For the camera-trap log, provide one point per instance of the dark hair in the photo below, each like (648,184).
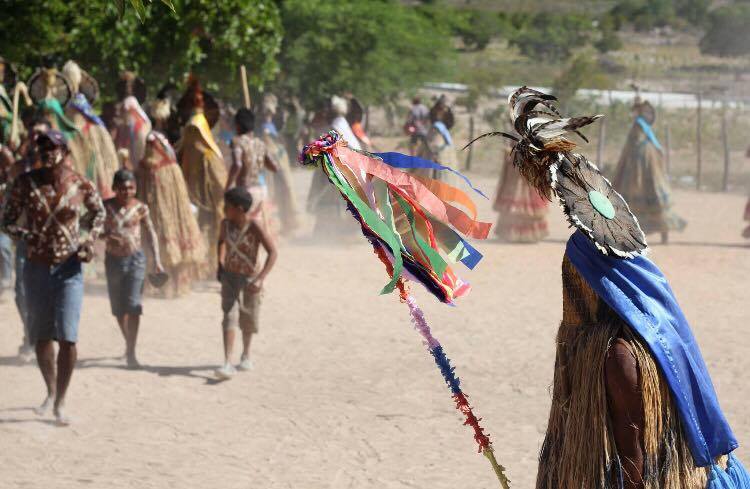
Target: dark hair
(239,197)
(121,176)
(245,120)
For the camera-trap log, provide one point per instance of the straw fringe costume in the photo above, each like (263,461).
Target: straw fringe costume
(206,176)
(280,182)
(93,153)
(633,405)
(642,178)
(523,212)
(162,188)
(579,449)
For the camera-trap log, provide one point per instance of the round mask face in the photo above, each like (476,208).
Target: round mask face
(593,206)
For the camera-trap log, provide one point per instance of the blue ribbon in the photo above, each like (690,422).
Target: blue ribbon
(402,161)
(648,131)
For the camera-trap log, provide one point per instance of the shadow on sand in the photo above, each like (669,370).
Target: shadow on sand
(203,372)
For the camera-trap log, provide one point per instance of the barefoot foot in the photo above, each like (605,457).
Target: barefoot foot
(61,418)
(44,407)
(133,363)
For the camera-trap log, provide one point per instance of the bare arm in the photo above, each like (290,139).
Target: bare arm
(221,249)
(153,238)
(12,211)
(236,165)
(96,216)
(271,255)
(625,402)
(270,163)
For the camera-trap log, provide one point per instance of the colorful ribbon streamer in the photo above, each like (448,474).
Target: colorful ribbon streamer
(409,221)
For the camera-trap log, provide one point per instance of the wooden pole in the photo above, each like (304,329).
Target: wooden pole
(600,143)
(471,137)
(725,142)
(668,148)
(245,89)
(698,131)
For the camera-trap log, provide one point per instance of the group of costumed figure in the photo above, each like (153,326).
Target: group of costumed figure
(182,172)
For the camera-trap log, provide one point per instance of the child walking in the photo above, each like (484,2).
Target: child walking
(241,283)
(125,262)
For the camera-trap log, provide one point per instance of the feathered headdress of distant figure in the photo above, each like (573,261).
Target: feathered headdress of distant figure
(196,98)
(131,84)
(543,154)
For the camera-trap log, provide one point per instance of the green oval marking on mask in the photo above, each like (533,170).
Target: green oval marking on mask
(602,204)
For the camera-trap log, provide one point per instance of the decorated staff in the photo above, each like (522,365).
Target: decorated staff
(412,223)
(633,405)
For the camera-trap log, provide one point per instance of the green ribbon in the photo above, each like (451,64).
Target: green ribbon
(372,220)
(437,263)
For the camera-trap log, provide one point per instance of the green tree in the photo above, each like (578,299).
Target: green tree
(139,6)
(549,37)
(378,48)
(727,33)
(210,38)
(583,71)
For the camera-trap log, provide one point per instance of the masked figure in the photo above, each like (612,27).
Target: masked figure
(93,152)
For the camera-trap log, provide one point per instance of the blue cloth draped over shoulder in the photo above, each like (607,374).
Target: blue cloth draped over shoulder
(649,132)
(82,105)
(639,293)
(443,130)
(270,128)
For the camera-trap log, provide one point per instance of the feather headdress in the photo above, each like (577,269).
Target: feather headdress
(543,154)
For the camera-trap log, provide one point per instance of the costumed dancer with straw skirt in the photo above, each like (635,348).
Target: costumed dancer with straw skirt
(132,125)
(633,405)
(162,188)
(93,153)
(438,146)
(280,182)
(203,166)
(641,176)
(523,211)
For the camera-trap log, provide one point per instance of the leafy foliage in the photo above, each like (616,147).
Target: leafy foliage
(377,48)
(139,6)
(208,37)
(727,33)
(582,71)
(552,36)
(645,15)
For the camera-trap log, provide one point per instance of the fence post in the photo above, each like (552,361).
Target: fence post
(600,143)
(471,138)
(668,148)
(698,131)
(725,142)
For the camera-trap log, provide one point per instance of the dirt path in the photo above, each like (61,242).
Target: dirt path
(343,394)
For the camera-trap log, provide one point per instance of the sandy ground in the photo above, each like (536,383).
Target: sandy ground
(344,394)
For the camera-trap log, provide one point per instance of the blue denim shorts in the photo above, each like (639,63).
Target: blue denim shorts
(125,275)
(54,300)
